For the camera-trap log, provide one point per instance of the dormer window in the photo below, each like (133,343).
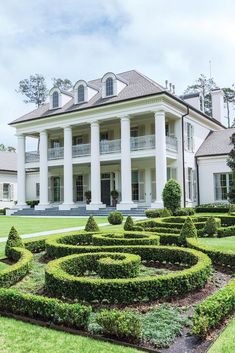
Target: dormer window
(80,94)
(109,86)
(55,100)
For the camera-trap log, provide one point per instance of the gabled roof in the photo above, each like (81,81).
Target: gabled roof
(8,161)
(216,143)
(138,86)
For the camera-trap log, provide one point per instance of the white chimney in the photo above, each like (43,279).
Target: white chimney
(217,98)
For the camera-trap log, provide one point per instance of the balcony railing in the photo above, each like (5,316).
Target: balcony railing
(171,143)
(55,153)
(32,156)
(82,150)
(110,146)
(106,147)
(142,142)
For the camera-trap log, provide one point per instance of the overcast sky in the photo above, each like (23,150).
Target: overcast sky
(76,39)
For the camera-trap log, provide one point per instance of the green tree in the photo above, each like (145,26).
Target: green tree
(64,84)
(5,148)
(129,224)
(91,225)
(229,98)
(171,195)
(34,89)
(188,231)
(14,240)
(231,164)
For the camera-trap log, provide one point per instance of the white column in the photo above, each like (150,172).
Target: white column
(21,186)
(160,157)
(68,170)
(95,168)
(43,149)
(126,196)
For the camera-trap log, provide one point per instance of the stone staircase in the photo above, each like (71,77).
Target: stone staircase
(79,211)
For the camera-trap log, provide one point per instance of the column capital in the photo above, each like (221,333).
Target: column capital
(20,136)
(95,123)
(43,132)
(67,127)
(124,117)
(159,113)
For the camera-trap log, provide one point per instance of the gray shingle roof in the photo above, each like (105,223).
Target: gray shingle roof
(8,161)
(138,85)
(217,143)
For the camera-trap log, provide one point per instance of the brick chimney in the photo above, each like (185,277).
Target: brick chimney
(217,98)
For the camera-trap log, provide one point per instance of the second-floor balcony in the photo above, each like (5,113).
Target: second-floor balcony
(145,142)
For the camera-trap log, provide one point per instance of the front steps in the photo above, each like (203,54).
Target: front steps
(79,211)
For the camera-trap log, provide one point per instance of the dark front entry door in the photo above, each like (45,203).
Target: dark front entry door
(105,191)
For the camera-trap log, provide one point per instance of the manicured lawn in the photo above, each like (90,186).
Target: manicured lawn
(225,343)
(224,244)
(27,225)
(20,337)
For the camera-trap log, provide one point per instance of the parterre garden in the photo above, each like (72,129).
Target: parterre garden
(149,284)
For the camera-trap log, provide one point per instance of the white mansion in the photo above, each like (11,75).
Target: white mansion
(123,132)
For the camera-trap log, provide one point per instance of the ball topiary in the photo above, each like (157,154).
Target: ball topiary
(129,224)
(210,228)
(188,231)
(115,217)
(171,195)
(91,225)
(14,240)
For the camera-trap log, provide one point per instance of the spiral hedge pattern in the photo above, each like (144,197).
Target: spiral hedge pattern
(67,276)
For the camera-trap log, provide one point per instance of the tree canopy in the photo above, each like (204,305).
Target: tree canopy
(34,89)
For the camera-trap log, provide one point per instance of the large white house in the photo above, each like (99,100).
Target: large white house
(122,132)
(8,179)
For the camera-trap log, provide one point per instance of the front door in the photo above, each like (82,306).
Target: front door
(105,189)
(56,189)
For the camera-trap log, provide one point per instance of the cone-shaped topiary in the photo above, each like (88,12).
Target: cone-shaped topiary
(14,240)
(166,213)
(210,228)
(91,225)
(129,224)
(188,231)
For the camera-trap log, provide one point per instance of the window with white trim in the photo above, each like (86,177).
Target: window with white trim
(189,137)
(190,183)
(6,192)
(37,189)
(55,100)
(222,184)
(109,86)
(81,93)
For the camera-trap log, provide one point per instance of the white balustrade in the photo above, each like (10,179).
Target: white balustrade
(82,150)
(110,146)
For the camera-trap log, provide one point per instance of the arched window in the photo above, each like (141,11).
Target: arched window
(55,99)
(81,93)
(109,86)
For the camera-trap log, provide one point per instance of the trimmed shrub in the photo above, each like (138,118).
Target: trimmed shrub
(187,211)
(210,228)
(117,265)
(91,225)
(115,217)
(226,232)
(120,323)
(32,203)
(63,276)
(213,207)
(14,273)
(166,213)
(188,231)
(172,195)
(125,238)
(129,224)
(14,240)
(153,213)
(231,209)
(47,309)
(213,310)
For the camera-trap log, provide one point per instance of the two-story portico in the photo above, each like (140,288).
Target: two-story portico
(123,132)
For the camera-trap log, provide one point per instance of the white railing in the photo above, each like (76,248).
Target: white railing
(32,156)
(82,150)
(110,146)
(55,153)
(142,142)
(171,143)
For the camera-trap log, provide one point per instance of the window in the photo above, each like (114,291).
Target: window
(190,183)
(109,86)
(79,187)
(104,135)
(6,191)
(134,131)
(153,184)
(222,183)
(78,140)
(55,143)
(171,173)
(189,134)
(81,93)
(138,185)
(37,189)
(55,100)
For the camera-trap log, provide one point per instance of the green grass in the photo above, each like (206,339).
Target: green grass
(28,225)
(20,337)
(224,244)
(225,343)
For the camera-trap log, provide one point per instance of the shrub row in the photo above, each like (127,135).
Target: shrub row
(217,256)
(125,238)
(226,232)
(117,265)
(158,212)
(213,310)
(62,284)
(213,207)
(17,271)
(48,309)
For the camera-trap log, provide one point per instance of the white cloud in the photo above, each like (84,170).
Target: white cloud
(165,40)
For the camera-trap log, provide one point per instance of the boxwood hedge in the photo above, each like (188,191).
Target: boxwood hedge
(125,238)
(128,290)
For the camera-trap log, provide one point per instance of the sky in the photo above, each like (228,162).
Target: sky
(76,39)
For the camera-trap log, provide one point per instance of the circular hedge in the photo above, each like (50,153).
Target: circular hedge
(67,276)
(82,242)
